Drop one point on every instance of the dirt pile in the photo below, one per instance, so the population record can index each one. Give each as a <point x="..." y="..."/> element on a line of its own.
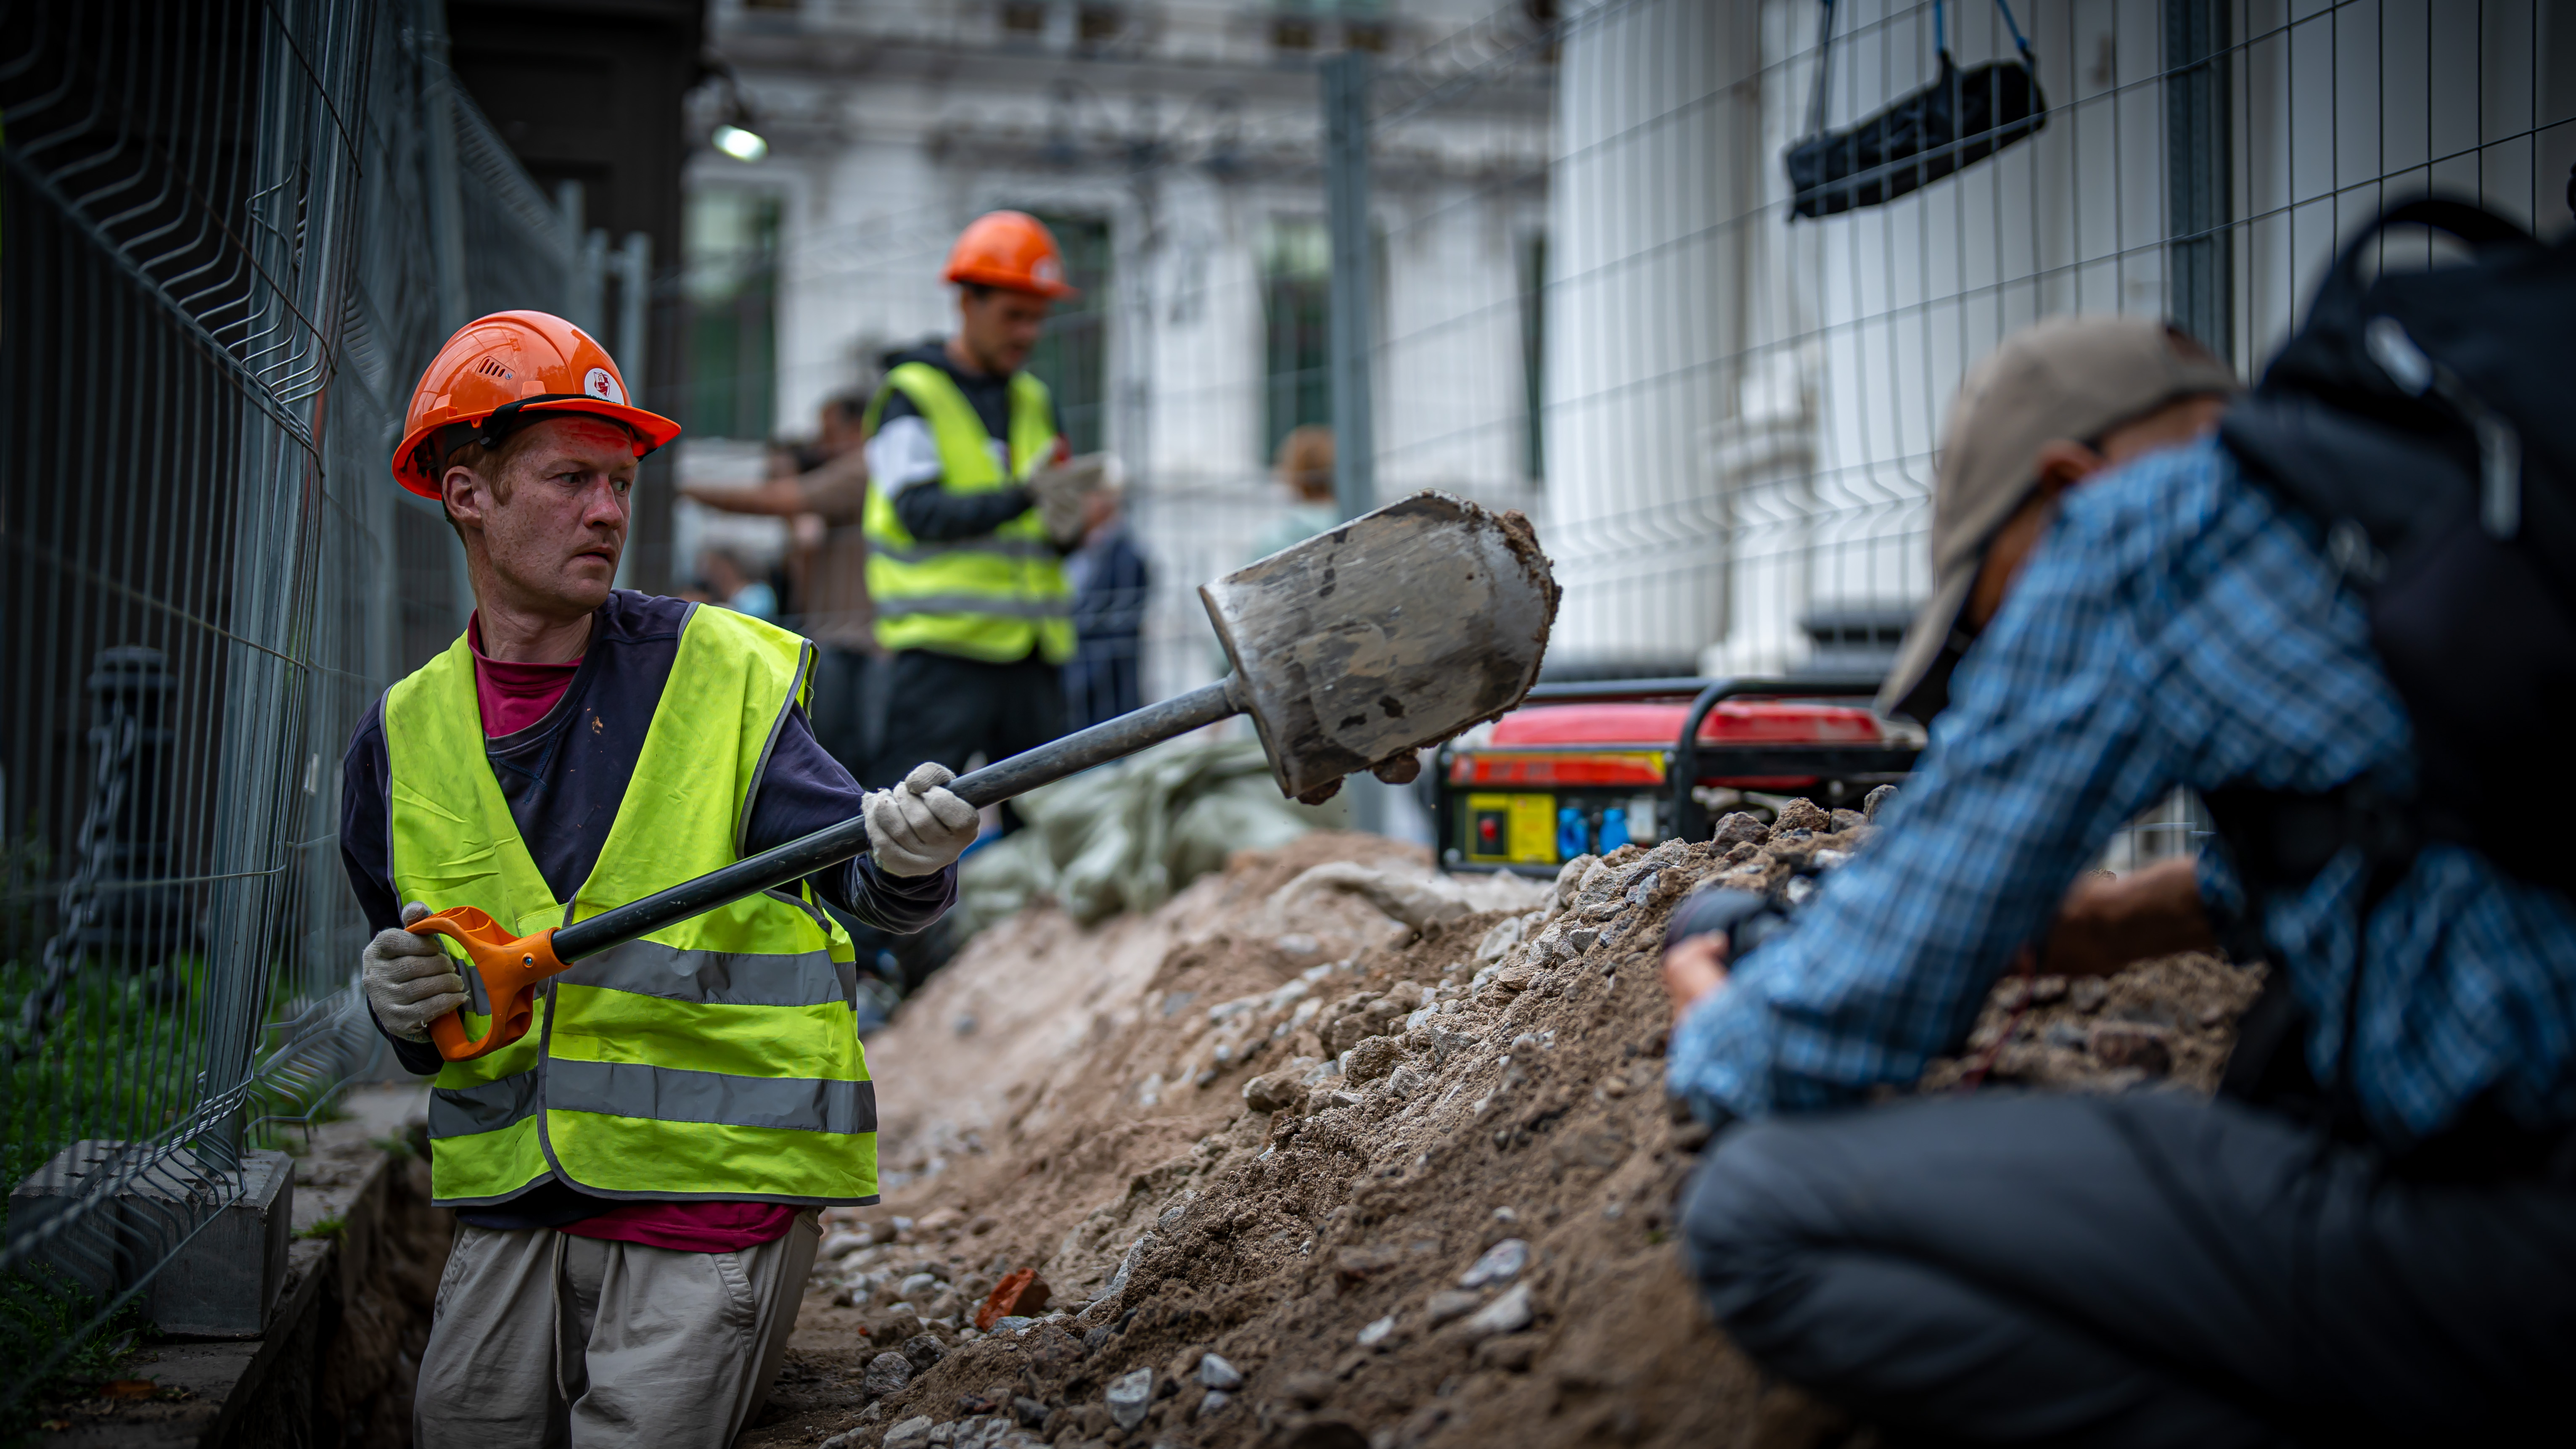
<point x="1333" y="1152"/>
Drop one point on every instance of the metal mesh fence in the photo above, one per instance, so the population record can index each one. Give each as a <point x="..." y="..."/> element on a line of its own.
<point x="1591" y="294"/>
<point x="234" y="232"/>
<point x="1737" y="408"/>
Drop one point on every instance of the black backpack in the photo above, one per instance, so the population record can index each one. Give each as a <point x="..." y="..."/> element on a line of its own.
<point x="2428" y="419"/>
<point x="2422" y="419"/>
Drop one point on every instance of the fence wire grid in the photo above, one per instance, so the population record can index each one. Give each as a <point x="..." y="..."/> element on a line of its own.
<point x="232" y="234"/>
<point x="1593" y="300"/>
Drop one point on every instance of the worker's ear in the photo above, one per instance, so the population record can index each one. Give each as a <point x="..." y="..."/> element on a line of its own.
<point x="2063" y="464"/>
<point x="467" y="496"/>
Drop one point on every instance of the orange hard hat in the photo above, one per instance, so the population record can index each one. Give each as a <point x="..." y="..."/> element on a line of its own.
<point x="1011" y="250"/>
<point x="501" y="371"/>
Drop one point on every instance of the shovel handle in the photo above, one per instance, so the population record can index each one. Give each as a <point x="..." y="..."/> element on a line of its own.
<point x="1109" y="740"/>
<point x="511" y="966"/>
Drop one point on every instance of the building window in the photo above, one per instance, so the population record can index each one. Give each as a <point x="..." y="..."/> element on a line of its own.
<point x="1533" y="279"/>
<point x="729" y="255"/>
<point x="1296" y="298"/>
<point x="1072" y="355"/>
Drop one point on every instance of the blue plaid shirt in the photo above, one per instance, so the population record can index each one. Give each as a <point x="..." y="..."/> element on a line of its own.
<point x="2174" y="628"/>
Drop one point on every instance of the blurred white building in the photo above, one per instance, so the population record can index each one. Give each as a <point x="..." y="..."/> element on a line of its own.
<point x="1175" y="150"/>
<point x="1593" y="301"/>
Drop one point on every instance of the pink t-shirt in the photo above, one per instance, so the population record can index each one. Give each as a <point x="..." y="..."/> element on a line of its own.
<point x="512" y="697"/>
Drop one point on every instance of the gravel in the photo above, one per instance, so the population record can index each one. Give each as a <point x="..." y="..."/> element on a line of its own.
<point x="1501" y="1263"/>
<point x="1508" y="1314"/>
<point x="1129" y="1396"/>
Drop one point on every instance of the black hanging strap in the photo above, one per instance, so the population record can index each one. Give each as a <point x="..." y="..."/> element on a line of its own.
<point x="1960" y="119"/>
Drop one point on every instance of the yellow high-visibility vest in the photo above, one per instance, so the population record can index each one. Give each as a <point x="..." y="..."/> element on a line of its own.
<point x="993" y="598"/>
<point x="715" y="1059"/>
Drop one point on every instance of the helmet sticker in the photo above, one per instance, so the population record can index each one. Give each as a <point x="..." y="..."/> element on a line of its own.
<point x="1046" y="270"/>
<point x="600" y="383"/>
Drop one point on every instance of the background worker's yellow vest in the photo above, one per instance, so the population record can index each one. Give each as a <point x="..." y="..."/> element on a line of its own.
<point x="992" y="598"/>
<point x="716" y="1059"/>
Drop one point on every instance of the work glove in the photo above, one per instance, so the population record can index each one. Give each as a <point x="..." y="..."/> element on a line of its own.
<point x="410" y="982"/>
<point x="1060" y="491"/>
<point x="919" y="826"/>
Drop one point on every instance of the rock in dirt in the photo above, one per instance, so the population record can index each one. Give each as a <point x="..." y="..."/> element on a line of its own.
<point x="2088" y="994"/>
<point x="922" y="1351"/>
<point x="1273" y="1091"/>
<point x="912" y="1433"/>
<point x="1216" y="1373"/>
<point x="1215" y="1402"/>
<point x="1739" y="828"/>
<point x="1451" y="1304"/>
<point x="1508" y="1314"/>
<point x="1370" y="1059"/>
<point x="2126" y="1044"/>
<point x="1129" y="1396"/>
<point x="1875" y="801"/>
<point x="1501" y="1263"/>
<point x="1848" y="819"/>
<point x="888" y="1373"/>
<point x="1378" y="1331"/>
<point x="1802" y="815"/>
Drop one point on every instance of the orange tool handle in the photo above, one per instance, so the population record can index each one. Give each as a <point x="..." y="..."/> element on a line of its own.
<point x="511" y="966"/>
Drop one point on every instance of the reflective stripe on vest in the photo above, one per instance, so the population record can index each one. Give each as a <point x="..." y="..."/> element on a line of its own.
<point x="993" y="598"/>
<point x="718" y="1058"/>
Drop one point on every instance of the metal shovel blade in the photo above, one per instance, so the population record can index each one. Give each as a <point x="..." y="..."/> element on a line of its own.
<point x="1393" y="631"/>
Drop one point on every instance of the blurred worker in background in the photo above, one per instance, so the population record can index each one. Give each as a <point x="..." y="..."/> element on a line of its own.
<point x="1304" y="468"/>
<point x="969" y="517"/>
<point x="636" y="1178"/>
<point x="1110" y="581"/>
<point x="730" y="583"/>
<point x="2144" y="1268"/>
<point x="832" y="588"/>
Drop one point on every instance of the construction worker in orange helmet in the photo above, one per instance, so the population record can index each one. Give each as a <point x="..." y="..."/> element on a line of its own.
<point x="974" y="503"/>
<point x="637" y="1179"/>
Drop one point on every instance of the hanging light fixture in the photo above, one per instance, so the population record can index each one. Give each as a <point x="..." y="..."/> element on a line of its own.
<point x="738" y="134"/>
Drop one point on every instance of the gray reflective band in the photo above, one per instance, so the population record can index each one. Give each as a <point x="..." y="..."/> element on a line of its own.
<point x="1003" y="547"/>
<point x="717" y="978"/>
<point x="464" y="1111"/>
<point x="887" y="608"/>
<point x="668" y="1094"/>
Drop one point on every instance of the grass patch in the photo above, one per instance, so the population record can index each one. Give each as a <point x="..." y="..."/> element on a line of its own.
<point x="324" y="1228"/>
<point x="40" y="1310"/>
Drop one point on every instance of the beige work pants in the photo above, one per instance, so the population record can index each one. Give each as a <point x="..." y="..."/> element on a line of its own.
<point x="542" y="1340"/>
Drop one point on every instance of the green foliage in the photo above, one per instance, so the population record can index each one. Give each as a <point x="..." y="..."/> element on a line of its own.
<point x="324" y="1228"/>
<point x="116" y="1063"/>
<point x="40" y="1310"/>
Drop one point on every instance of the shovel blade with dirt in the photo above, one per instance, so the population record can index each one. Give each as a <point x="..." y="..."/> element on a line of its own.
<point x="1351" y="651"/>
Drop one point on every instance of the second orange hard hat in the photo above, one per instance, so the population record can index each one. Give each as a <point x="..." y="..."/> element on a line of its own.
<point x="1011" y="250"/>
<point x="507" y="369"/>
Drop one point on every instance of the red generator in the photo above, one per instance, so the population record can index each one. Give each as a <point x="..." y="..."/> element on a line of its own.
<point x="1586" y="768"/>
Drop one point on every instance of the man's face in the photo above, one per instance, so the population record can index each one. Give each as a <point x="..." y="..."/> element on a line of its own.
<point x="1000" y="328"/>
<point x="552" y="545"/>
<point x="2061" y="466"/>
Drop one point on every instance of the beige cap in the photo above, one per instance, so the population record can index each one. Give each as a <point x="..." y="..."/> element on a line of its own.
<point x="2071" y="378"/>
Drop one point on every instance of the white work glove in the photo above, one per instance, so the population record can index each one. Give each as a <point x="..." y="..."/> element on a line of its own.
<point x="410" y="982"/>
<point x="919" y="826"/>
<point x="1061" y="491"/>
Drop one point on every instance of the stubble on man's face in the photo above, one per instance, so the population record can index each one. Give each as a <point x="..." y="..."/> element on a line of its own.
<point x="555" y="541"/>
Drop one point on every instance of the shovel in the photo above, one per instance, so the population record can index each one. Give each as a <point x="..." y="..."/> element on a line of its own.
<point x="1351" y="650"/>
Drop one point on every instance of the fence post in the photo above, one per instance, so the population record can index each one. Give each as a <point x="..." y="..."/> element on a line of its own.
<point x="1351" y="311"/>
<point x="2196" y="165"/>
